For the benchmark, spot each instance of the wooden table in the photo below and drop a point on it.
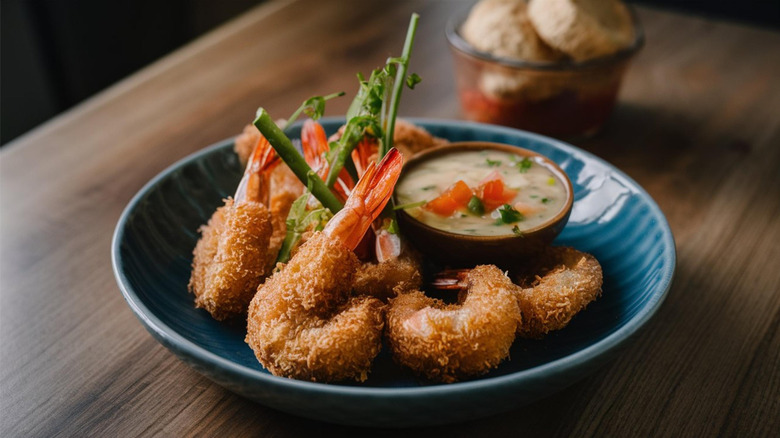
(698, 125)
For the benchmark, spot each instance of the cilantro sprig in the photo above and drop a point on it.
(524, 164)
(509, 215)
(314, 107)
(299, 220)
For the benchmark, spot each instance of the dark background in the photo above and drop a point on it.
(56, 53)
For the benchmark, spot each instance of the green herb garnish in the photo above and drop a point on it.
(475, 206)
(550, 181)
(298, 221)
(546, 200)
(492, 163)
(524, 164)
(509, 215)
(517, 231)
(428, 187)
(374, 109)
(314, 107)
(284, 147)
(392, 226)
(409, 205)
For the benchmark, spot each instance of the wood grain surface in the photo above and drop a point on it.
(698, 125)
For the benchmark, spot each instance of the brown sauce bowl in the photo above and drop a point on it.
(461, 250)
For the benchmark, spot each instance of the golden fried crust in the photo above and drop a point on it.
(303, 324)
(550, 303)
(410, 139)
(285, 189)
(380, 279)
(245, 143)
(230, 258)
(450, 342)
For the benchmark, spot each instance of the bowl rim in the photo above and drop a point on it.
(561, 215)
(173, 340)
(459, 44)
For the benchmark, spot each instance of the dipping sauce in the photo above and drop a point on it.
(481, 193)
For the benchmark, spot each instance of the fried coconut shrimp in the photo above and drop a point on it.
(380, 279)
(448, 342)
(396, 262)
(410, 139)
(303, 322)
(284, 188)
(573, 279)
(245, 143)
(231, 258)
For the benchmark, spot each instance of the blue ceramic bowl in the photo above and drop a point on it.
(612, 218)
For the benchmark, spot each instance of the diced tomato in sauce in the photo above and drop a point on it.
(493, 192)
(455, 197)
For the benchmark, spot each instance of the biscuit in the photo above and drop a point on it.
(583, 29)
(502, 28)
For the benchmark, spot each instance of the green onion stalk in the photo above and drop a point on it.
(369, 112)
(295, 161)
(398, 85)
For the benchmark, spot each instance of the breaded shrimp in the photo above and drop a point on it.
(407, 138)
(380, 279)
(245, 143)
(283, 190)
(449, 342)
(396, 261)
(563, 281)
(572, 281)
(410, 139)
(231, 258)
(302, 322)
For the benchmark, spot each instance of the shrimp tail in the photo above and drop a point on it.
(366, 201)
(255, 183)
(314, 143)
(365, 152)
(451, 279)
(315, 147)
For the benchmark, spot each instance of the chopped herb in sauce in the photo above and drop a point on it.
(516, 231)
(550, 181)
(483, 209)
(475, 206)
(524, 164)
(410, 205)
(509, 215)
